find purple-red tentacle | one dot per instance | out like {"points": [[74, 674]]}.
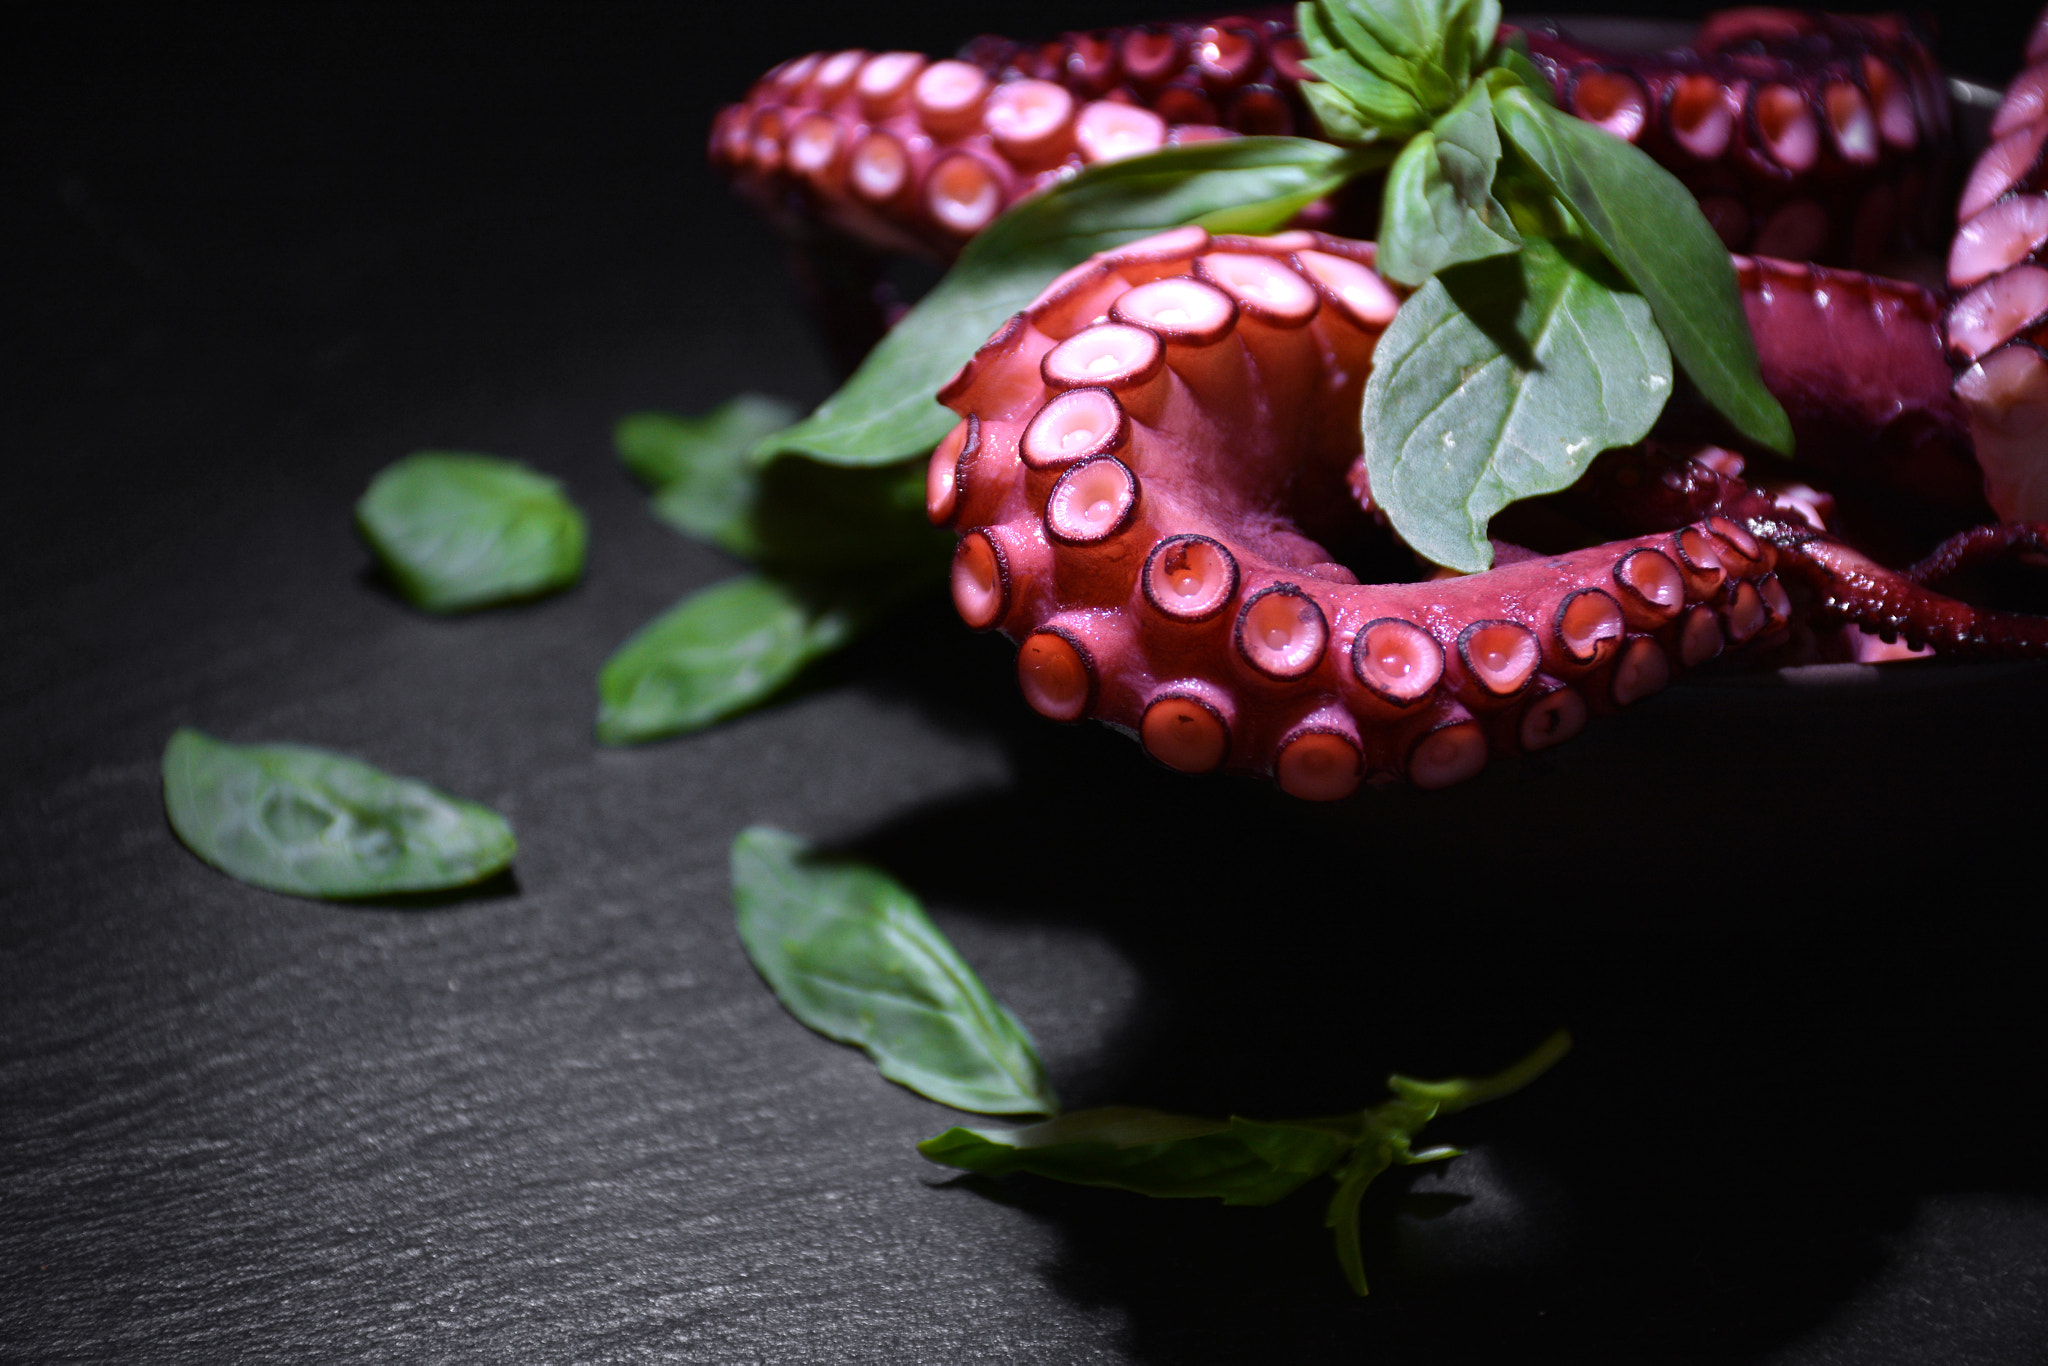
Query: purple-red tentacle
{"points": [[1997, 329], [1804, 136]]}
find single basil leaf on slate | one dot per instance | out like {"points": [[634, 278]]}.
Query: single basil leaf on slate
{"points": [[312, 823], [1240, 1162], [723, 650], [457, 531], [1499, 380], [886, 411], [852, 955], [1439, 207], [1650, 227], [663, 448]]}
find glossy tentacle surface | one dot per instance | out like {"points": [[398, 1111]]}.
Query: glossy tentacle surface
{"points": [[1804, 136], [1997, 329]]}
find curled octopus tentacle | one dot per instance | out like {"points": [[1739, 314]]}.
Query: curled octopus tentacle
{"points": [[1997, 329], [1154, 472], [1805, 136]]}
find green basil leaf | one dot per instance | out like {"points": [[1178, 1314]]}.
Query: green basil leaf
{"points": [[886, 412], [1502, 379], [800, 516], [1439, 207], [1337, 115], [1401, 40], [1240, 1162], [458, 531], [1469, 31], [724, 650], [313, 823], [1651, 228], [852, 955], [665, 449], [1366, 106], [1515, 67]]}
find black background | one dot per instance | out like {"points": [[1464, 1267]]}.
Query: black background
{"points": [[251, 259]]}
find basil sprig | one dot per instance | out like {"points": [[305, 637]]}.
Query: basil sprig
{"points": [[313, 823], [1239, 1161], [853, 955], [1506, 382]]}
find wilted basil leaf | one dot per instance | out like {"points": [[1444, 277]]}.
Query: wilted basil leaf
{"points": [[458, 531], [886, 412], [1650, 227], [313, 823], [1439, 206], [1499, 380], [724, 650], [1238, 1161], [852, 955]]}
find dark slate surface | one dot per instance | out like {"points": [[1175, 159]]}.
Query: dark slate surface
{"points": [[1795, 928]]}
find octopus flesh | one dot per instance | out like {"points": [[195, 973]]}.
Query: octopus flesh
{"points": [[1811, 137], [1157, 483]]}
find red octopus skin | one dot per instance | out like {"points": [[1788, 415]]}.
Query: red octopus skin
{"points": [[1810, 137], [1997, 329], [1153, 459]]}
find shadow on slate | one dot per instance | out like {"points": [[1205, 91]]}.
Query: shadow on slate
{"points": [[1779, 1054]]}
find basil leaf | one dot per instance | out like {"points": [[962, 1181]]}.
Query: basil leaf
{"points": [[1469, 31], [723, 650], [852, 955], [886, 412], [1350, 92], [1239, 1162], [664, 449], [1439, 207], [313, 823], [1402, 41], [457, 531], [1338, 114], [1499, 380], [814, 517], [1515, 67], [1650, 227]]}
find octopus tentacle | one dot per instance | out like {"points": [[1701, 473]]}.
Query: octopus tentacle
{"points": [[1156, 464], [1896, 605], [1998, 325], [1803, 135], [1808, 136], [1150, 470], [1978, 546]]}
